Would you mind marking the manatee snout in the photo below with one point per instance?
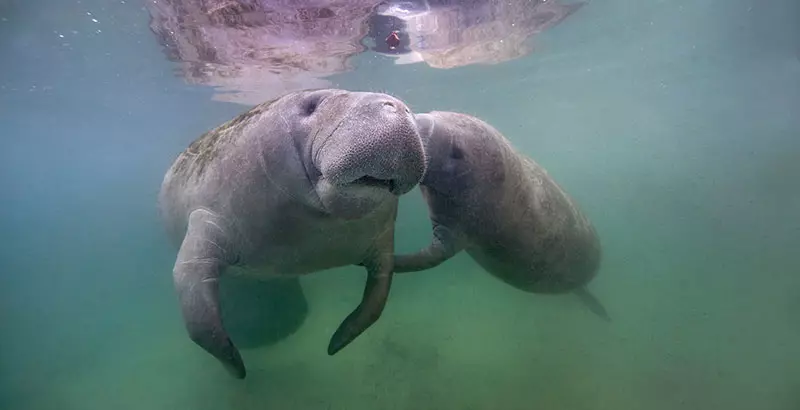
(400, 155)
(374, 154)
(380, 142)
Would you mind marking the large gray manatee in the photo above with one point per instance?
(304, 183)
(504, 209)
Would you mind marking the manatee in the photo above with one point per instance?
(504, 210)
(307, 182)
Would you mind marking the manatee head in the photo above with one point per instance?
(362, 149)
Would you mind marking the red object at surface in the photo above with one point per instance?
(393, 40)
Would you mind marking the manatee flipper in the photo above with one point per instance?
(200, 262)
(373, 301)
(376, 291)
(592, 303)
(444, 245)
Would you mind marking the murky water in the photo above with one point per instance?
(673, 124)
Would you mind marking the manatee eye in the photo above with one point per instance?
(310, 105)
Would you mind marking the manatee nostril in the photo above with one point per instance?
(390, 106)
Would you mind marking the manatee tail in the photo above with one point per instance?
(592, 303)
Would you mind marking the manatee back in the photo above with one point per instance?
(225, 171)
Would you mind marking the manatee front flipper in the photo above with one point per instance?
(444, 245)
(379, 280)
(200, 262)
(591, 302)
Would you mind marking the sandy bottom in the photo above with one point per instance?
(453, 338)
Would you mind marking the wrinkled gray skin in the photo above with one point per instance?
(503, 209)
(307, 182)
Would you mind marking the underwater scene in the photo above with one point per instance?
(422, 204)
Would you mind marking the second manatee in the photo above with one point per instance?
(504, 209)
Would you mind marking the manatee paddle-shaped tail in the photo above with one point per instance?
(380, 267)
(200, 262)
(592, 303)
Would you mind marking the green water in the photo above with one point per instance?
(674, 124)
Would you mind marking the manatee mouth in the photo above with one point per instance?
(366, 180)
